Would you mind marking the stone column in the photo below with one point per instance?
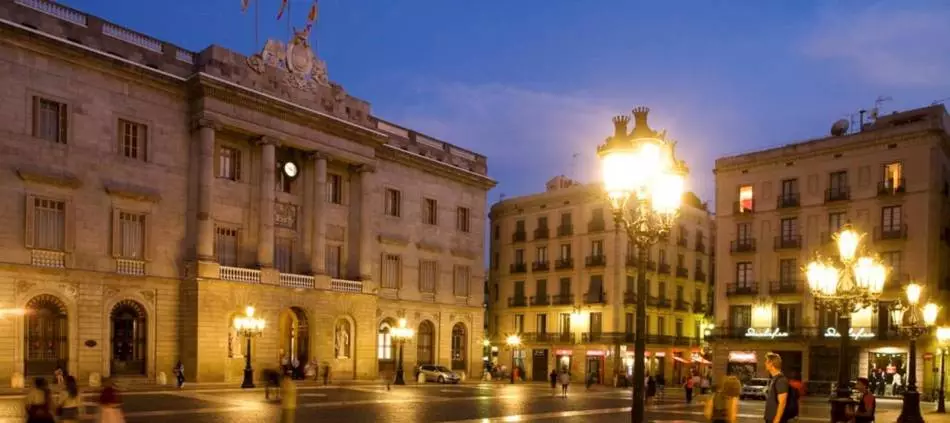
(205, 238)
(265, 238)
(318, 237)
(366, 213)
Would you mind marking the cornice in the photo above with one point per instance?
(201, 85)
(437, 168)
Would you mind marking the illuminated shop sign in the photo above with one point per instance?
(859, 333)
(765, 333)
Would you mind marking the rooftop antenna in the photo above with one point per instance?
(876, 111)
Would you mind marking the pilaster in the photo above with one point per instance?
(366, 215)
(265, 239)
(205, 238)
(318, 237)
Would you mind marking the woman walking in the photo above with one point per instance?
(70, 409)
(723, 406)
(39, 403)
(565, 381)
(110, 404)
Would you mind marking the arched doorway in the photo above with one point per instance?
(129, 335)
(385, 349)
(425, 353)
(294, 335)
(459, 342)
(47, 335)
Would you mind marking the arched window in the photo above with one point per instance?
(47, 339)
(385, 342)
(424, 343)
(459, 343)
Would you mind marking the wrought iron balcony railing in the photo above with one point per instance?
(890, 187)
(542, 233)
(518, 268)
(519, 236)
(787, 200)
(597, 260)
(564, 263)
(743, 288)
(540, 266)
(788, 242)
(743, 245)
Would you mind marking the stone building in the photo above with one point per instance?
(152, 193)
(563, 278)
(776, 207)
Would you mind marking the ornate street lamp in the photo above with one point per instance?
(513, 341)
(644, 184)
(943, 337)
(845, 284)
(401, 335)
(249, 327)
(914, 320)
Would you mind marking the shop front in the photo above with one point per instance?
(656, 364)
(595, 365)
(563, 360)
(742, 364)
(887, 370)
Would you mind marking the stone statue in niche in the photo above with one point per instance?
(234, 344)
(342, 339)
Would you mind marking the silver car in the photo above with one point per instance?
(755, 388)
(439, 374)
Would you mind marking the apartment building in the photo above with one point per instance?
(152, 193)
(777, 207)
(563, 278)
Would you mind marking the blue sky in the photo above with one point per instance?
(529, 83)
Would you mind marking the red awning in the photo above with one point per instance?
(675, 358)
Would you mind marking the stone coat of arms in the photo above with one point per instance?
(304, 69)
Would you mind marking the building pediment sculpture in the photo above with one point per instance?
(304, 69)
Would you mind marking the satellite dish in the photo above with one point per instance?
(840, 127)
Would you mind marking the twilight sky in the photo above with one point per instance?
(529, 83)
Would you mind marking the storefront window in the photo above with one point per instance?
(887, 373)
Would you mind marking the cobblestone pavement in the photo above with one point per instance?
(483, 403)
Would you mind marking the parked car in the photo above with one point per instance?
(757, 388)
(440, 374)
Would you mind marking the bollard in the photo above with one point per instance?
(421, 378)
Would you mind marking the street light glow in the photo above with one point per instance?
(513, 340)
(913, 293)
(930, 314)
(847, 241)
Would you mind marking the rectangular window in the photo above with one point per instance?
(789, 188)
(788, 271)
(495, 259)
(679, 327)
(519, 290)
(836, 221)
(661, 325)
(680, 260)
(892, 259)
(789, 228)
(428, 271)
(49, 224)
(662, 256)
(541, 288)
(519, 323)
(133, 139)
(679, 294)
(597, 248)
(385, 341)
(565, 251)
(50, 120)
(226, 246)
(131, 235)
(597, 214)
(564, 321)
(519, 226)
(334, 261)
(565, 286)
(229, 163)
(463, 220)
(430, 212)
(542, 323)
(740, 317)
(661, 290)
(631, 284)
(393, 203)
(463, 276)
(596, 288)
(891, 218)
(596, 323)
(838, 182)
(744, 274)
(334, 188)
(787, 316)
(391, 271)
(497, 232)
(893, 174)
(542, 254)
(565, 219)
(284, 255)
(628, 323)
(746, 200)
(744, 232)
(519, 256)
(698, 296)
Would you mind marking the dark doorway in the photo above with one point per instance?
(129, 335)
(539, 365)
(47, 336)
(595, 366)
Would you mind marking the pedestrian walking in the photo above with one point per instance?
(651, 390)
(288, 400)
(70, 407)
(688, 389)
(553, 377)
(39, 403)
(565, 381)
(180, 374)
(867, 404)
(326, 374)
(660, 386)
(723, 406)
(781, 404)
(388, 376)
(110, 404)
(272, 379)
(591, 378)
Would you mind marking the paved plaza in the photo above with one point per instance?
(475, 403)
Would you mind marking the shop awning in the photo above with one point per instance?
(701, 360)
(681, 360)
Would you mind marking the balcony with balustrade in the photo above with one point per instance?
(516, 301)
(540, 300)
(595, 297)
(743, 208)
(682, 272)
(564, 263)
(842, 193)
(519, 236)
(663, 269)
(597, 225)
(565, 230)
(514, 268)
(891, 187)
(788, 242)
(699, 275)
(786, 286)
(562, 299)
(540, 266)
(596, 260)
(890, 233)
(630, 297)
(742, 245)
(681, 305)
(787, 200)
(651, 265)
(542, 233)
(743, 288)
(283, 279)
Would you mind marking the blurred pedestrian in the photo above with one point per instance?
(70, 408)
(651, 390)
(688, 388)
(110, 404)
(326, 374)
(553, 377)
(565, 381)
(39, 403)
(723, 406)
(288, 400)
(272, 380)
(180, 374)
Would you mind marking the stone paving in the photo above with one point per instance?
(466, 403)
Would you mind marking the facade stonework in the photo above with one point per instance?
(154, 193)
(777, 207)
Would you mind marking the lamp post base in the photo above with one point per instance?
(248, 378)
(841, 406)
(941, 400)
(400, 380)
(910, 408)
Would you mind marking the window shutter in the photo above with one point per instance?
(116, 233)
(36, 117)
(29, 220)
(70, 235)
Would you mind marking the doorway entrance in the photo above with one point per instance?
(47, 339)
(294, 336)
(595, 367)
(129, 328)
(539, 365)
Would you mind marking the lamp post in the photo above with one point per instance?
(513, 341)
(401, 335)
(846, 283)
(644, 184)
(943, 337)
(914, 320)
(249, 327)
